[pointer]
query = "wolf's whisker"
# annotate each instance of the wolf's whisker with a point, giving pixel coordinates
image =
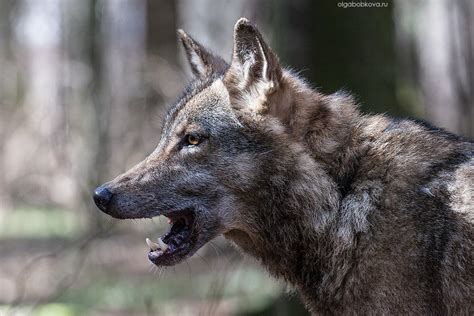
(160, 273)
(216, 248)
(205, 261)
(189, 267)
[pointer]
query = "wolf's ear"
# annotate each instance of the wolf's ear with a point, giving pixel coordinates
(254, 65)
(203, 63)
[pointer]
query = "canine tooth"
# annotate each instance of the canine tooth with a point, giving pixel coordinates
(162, 244)
(153, 246)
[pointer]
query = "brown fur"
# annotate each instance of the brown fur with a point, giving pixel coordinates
(361, 214)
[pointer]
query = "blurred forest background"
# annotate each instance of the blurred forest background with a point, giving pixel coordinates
(83, 86)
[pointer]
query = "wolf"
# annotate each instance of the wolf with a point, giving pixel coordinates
(360, 214)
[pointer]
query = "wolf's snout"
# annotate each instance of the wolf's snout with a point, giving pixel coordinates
(102, 198)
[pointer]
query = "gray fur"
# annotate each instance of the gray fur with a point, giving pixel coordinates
(361, 214)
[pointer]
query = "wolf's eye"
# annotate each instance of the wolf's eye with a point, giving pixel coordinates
(192, 140)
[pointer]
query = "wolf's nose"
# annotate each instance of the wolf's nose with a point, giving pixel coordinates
(102, 197)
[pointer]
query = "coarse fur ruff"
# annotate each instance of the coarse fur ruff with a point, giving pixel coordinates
(361, 214)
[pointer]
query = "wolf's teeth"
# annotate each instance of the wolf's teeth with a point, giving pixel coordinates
(162, 244)
(153, 246)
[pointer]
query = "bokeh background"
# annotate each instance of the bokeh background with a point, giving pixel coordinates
(83, 87)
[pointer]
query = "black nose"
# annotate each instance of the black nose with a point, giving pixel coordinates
(102, 197)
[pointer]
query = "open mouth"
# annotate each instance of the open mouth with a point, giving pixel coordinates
(175, 244)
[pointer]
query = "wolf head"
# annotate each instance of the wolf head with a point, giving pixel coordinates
(224, 157)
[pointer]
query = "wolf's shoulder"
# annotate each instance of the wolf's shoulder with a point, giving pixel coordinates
(415, 140)
(408, 154)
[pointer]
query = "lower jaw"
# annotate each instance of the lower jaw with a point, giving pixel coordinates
(161, 260)
(168, 259)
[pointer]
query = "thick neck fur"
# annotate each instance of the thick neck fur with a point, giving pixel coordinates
(326, 125)
(296, 234)
(289, 228)
(293, 231)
